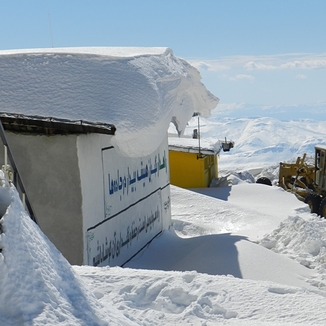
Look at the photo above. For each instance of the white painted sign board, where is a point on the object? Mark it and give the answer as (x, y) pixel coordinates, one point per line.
(137, 200)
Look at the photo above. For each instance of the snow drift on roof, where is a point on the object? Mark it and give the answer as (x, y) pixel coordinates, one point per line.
(186, 144)
(139, 90)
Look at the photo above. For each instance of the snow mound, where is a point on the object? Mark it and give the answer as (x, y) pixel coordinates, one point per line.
(37, 283)
(301, 239)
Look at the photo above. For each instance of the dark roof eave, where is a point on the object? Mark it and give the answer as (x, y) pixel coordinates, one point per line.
(52, 126)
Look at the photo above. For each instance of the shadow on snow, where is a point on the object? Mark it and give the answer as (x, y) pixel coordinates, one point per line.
(214, 254)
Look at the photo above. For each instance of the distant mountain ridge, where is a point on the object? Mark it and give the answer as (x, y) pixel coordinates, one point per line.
(314, 111)
(261, 142)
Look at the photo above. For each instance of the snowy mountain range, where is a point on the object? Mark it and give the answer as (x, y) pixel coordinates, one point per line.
(261, 142)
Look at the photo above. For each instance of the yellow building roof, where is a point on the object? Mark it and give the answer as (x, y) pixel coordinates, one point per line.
(191, 145)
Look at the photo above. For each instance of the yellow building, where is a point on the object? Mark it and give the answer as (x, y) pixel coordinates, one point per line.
(193, 164)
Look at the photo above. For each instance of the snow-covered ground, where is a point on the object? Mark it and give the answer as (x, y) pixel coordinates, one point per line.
(241, 254)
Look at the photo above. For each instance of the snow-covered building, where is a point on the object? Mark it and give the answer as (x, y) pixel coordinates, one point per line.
(87, 128)
(193, 162)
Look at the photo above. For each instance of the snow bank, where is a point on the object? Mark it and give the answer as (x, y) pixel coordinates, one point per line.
(140, 91)
(37, 284)
(301, 239)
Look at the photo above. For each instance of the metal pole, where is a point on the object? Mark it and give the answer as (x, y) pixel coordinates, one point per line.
(199, 137)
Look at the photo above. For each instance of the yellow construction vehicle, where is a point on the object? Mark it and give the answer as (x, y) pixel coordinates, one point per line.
(307, 182)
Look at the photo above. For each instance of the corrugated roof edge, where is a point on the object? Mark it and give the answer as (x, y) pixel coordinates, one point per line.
(51, 126)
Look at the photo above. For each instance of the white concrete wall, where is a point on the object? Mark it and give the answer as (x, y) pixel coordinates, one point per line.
(89, 149)
(126, 200)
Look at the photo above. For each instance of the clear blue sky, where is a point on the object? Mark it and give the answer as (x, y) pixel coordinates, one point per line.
(242, 45)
